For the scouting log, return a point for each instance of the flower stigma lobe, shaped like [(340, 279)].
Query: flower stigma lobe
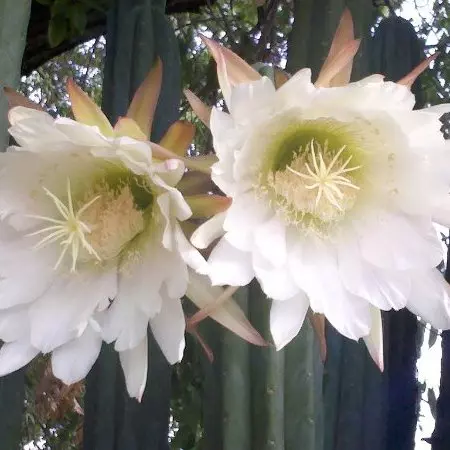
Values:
[(106, 220), (316, 188)]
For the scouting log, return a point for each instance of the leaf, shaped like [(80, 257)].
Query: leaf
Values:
[(207, 205), (128, 127), (203, 161), (192, 163), (408, 80), (231, 68), (216, 303), (374, 341), (57, 30), (178, 137), (60, 8), (201, 110), (194, 182), (143, 106), (337, 68), (86, 111), (237, 70), (318, 324), (279, 77), (78, 17)]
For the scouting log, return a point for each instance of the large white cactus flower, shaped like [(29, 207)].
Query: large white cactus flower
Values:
[(334, 189), (91, 244)]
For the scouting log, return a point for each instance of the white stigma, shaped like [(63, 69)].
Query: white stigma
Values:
[(315, 190), (328, 180), (70, 231)]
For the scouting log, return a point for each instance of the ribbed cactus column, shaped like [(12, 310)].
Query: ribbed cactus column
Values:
[(285, 411), (354, 388), (395, 51), (138, 32), (353, 401), (257, 398), (14, 17), (364, 409)]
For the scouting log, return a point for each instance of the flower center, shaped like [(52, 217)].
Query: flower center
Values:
[(312, 176), (94, 229), (317, 181)]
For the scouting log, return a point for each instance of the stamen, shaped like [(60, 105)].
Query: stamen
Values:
[(70, 231), (323, 177), (315, 190)]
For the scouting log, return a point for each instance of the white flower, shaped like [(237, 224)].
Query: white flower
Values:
[(91, 244), (334, 188), (88, 220)]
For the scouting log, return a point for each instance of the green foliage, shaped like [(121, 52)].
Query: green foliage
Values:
[(69, 18), (53, 417), (434, 33), (186, 403), (47, 85)]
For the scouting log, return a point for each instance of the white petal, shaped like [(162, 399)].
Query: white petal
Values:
[(14, 324), (20, 113), (385, 289), (297, 89), (349, 314), (140, 281), (19, 262), (270, 239), (209, 231), (135, 365), (35, 130), (15, 355), (72, 361), (168, 329), (286, 319), (177, 282), (136, 155), (276, 282), (191, 256), (178, 205), (368, 94), (171, 171), (228, 265), (80, 134), (250, 100), (222, 126), (245, 213), (430, 298), (392, 241), (374, 341), (57, 315), (168, 237), (126, 324), (140, 294)]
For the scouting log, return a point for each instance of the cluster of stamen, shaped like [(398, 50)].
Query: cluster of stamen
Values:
[(316, 188), (70, 231), (97, 230)]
